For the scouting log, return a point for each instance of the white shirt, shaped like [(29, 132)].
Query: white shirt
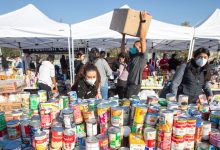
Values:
[(46, 71)]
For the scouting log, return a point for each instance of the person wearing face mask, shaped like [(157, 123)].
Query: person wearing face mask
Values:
[(88, 81), (137, 60), (192, 79)]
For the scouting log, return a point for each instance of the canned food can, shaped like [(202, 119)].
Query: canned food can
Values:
[(25, 128), (34, 127), (46, 117), (34, 101), (177, 142), (171, 97), (183, 101), (26, 142), (126, 102), (42, 95), (65, 100), (117, 116), (103, 113), (153, 109), (16, 114), (2, 121), (214, 118), (140, 113), (103, 141), (206, 129), (92, 143), (114, 137), (72, 95), (198, 134), (150, 137), (179, 126), (69, 139), (104, 128), (25, 97), (151, 119), (164, 139), (77, 115), (191, 125), (81, 141), (126, 114), (40, 140), (91, 127), (92, 104), (84, 106), (80, 130), (204, 146), (57, 138), (172, 105), (13, 128), (88, 115), (137, 128), (67, 115), (133, 109), (151, 99), (189, 142), (3, 133), (166, 120)]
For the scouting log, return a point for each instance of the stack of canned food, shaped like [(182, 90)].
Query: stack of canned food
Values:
[(67, 123)]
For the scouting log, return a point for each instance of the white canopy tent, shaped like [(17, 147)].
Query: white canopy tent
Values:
[(96, 32), (29, 28)]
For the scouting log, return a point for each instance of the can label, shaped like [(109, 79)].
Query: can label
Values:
[(57, 140), (151, 119), (103, 115), (137, 128), (177, 142), (67, 119), (41, 143), (91, 129), (164, 140), (117, 117), (34, 100), (88, 115), (206, 130), (114, 140), (25, 130), (69, 142), (80, 130), (189, 142), (26, 142), (150, 143), (14, 132), (65, 101), (140, 114), (77, 114), (103, 143), (104, 128)]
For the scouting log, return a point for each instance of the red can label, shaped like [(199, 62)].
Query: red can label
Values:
[(25, 130), (77, 114), (46, 120), (3, 133), (103, 143), (164, 145), (150, 143), (69, 142)]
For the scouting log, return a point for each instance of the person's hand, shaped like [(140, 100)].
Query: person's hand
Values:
[(143, 16), (99, 96), (209, 98)]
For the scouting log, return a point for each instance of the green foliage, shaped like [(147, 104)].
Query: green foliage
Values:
[(10, 52), (186, 24)]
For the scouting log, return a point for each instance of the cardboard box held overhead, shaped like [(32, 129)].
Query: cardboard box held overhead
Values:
[(127, 21)]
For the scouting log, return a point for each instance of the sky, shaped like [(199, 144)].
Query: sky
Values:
[(73, 11)]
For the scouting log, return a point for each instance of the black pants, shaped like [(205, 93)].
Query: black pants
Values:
[(132, 90), (45, 87), (121, 88)]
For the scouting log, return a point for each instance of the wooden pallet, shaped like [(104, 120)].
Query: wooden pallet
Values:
[(8, 107)]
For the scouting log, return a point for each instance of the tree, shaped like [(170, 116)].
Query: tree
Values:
[(186, 24), (10, 52)]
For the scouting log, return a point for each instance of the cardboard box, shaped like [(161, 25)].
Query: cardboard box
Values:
[(136, 141), (127, 21)]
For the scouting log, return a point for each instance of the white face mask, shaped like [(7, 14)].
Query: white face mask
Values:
[(91, 81), (201, 62)]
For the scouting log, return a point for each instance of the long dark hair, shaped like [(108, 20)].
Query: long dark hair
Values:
[(94, 55), (86, 68)]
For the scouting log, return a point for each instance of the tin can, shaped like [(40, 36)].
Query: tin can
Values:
[(69, 139), (2, 121), (117, 116), (191, 126), (204, 146), (114, 137), (16, 114), (34, 127), (151, 99), (151, 119), (40, 140), (80, 130), (91, 127), (150, 137), (171, 97), (206, 129), (67, 115), (164, 139), (103, 113), (92, 104), (153, 109), (198, 134), (140, 113), (103, 141), (179, 126), (77, 115), (214, 118), (25, 96), (137, 128), (104, 128), (189, 142), (88, 115), (34, 101), (57, 138), (166, 120), (65, 100), (126, 114), (126, 102), (84, 106), (42, 95), (183, 101), (25, 129), (177, 142), (46, 117), (48, 133), (3, 133), (72, 95), (172, 105), (26, 142), (13, 145), (133, 109), (92, 143), (13, 128)]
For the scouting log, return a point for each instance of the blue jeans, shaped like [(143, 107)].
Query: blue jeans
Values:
[(104, 91)]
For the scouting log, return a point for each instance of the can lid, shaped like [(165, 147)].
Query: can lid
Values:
[(101, 136), (58, 129), (113, 130), (127, 131), (69, 132), (34, 95), (92, 120), (13, 122), (14, 144), (35, 123), (91, 139), (40, 134), (67, 111), (149, 129)]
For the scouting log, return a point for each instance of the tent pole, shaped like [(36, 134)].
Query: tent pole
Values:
[(191, 46), (70, 64), (73, 57)]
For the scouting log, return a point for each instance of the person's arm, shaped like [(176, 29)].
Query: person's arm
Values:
[(107, 68), (143, 31), (79, 88), (207, 90), (177, 79), (121, 68), (99, 93), (52, 75)]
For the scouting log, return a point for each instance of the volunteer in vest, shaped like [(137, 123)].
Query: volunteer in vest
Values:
[(46, 78), (192, 79)]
